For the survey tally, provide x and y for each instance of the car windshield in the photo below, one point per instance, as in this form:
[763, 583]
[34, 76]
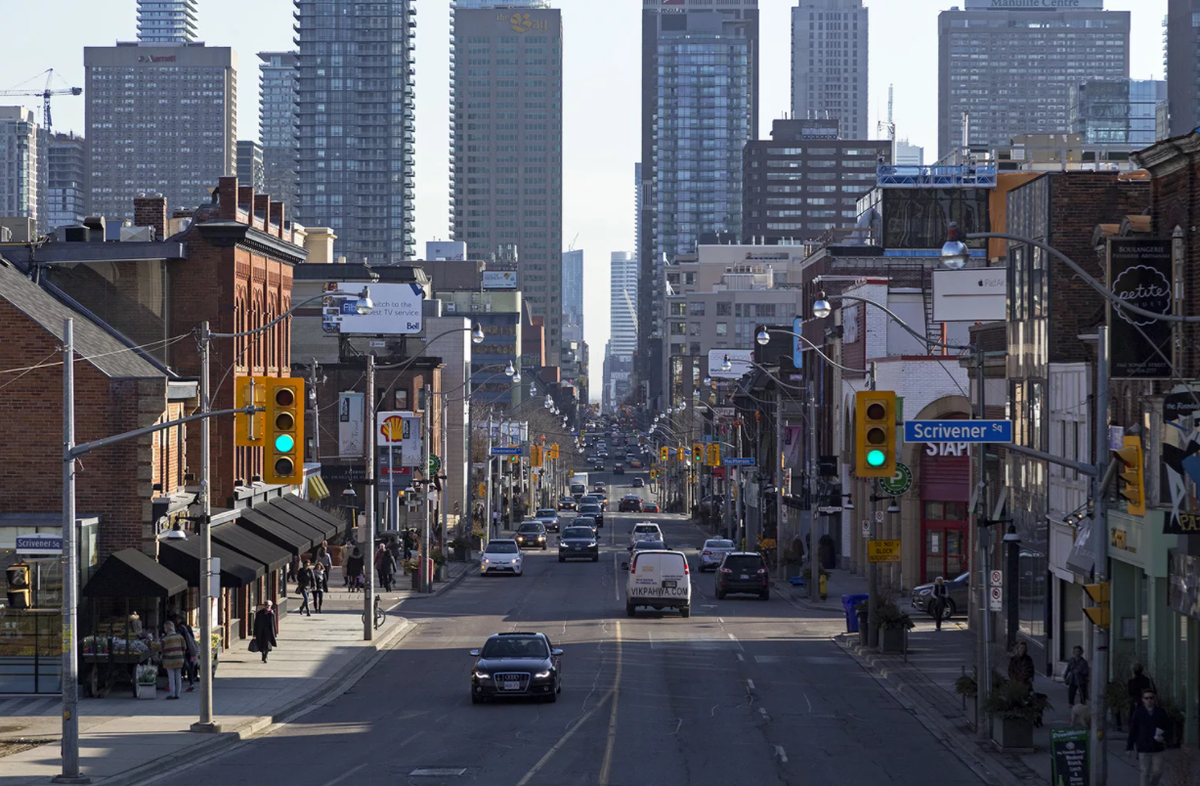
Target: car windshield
[501, 548]
[532, 526]
[583, 533]
[718, 544]
[743, 562]
[585, 521]
[650, 545]
[590, 508]
[646, 528]
[514, 647]
[546, 512]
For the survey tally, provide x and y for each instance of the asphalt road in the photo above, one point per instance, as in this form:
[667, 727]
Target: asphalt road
[744, 692]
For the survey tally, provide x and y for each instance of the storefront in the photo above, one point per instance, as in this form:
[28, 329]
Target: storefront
[945, 491]
[1183, 600]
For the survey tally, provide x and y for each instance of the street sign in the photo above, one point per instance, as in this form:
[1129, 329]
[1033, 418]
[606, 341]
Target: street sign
[827, 466]
[883, 551]
[500, 450]
[899, 483]
[733, 461]
[39, 546]
[344, 473]
[830, 509]
[723, 412]
[958, 431]
[996, 591]
[879, 517]
[1069, 757]
[866, 528]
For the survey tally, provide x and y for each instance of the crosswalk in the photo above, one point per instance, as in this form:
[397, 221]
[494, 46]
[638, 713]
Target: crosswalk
[30, 706]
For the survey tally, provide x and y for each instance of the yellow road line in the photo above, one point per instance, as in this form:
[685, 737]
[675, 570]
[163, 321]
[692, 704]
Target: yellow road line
[558, 745]
[606, 766]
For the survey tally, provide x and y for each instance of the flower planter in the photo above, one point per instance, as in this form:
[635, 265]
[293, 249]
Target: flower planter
[145, 691]
[1012, 733]
[891, 639]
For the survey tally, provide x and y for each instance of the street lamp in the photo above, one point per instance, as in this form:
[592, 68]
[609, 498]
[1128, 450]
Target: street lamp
[821, 307]
[954, 252]
[763, 336]
[509, 370]
[477, 334]
[726, 365]
[516, 377]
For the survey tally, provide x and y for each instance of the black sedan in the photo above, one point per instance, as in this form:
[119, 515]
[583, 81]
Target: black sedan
[516, 665]
[578, 542]
[630, 503]
[618, 469]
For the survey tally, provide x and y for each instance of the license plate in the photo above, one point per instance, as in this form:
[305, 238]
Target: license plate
[744, 576]
[668, 584]
[512, 685]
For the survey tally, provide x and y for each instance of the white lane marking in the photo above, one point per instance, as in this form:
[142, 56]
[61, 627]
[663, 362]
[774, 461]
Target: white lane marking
[410, 738]
[781, 754]
[345, 775]
[740, 658]
[763, 712]
[650, 636]
[750, 684]
[735, 641]
[616, 577]
[808, 702]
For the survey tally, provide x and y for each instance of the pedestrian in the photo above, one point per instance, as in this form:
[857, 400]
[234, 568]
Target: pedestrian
[319, 584]
[264, 630]
[937, 601]
[1021, 671]
[326, 562]
[387, 568]
[346, 566]
[305, 579]
[174, 653]
[380, 550]
[1138, 684]
[1148, 729]
[1076, 677]
[352, 568]
[192, 655]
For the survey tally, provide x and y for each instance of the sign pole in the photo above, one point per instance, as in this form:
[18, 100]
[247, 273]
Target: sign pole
[1098, 749]
[372, 491]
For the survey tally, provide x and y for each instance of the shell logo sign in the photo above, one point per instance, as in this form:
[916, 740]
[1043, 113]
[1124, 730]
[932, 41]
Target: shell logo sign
[392, 429]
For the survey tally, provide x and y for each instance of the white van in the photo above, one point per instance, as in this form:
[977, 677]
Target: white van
[660, 580]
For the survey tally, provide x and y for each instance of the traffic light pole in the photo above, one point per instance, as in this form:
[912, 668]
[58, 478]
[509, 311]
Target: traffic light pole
[872, 567]
[205, 723]
[426, 487]
[372, 496]
[1097, 750]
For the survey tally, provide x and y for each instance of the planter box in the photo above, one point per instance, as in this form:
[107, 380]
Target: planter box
[891, 639]
[146, 691]
[1010, 734]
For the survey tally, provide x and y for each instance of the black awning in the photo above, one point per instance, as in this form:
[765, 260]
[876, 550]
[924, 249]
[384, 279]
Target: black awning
[306, 511]
[284, 519]
[295, 542]
[183, 557]
[246, 542]
[131, 574]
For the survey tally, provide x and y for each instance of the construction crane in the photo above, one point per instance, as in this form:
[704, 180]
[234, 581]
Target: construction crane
[45, 93]
[888, 127]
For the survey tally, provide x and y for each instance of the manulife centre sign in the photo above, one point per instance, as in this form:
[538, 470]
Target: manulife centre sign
[1050, 5]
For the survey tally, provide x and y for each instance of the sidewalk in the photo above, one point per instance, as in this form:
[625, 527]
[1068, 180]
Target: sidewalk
[124, 740]
[839, 583]
[925, 683]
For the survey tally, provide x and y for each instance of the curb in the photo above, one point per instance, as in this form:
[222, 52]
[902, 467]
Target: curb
[990, 772]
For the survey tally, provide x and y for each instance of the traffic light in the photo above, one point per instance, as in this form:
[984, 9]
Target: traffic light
[249, 431]
[554, 452]
[680, 455]
[284, 455]
[535, 455]
[664, 453]
[697, 453]
[1131, 482]
[18, 585]
[1101, 613]
[875, 433]
[714, 455]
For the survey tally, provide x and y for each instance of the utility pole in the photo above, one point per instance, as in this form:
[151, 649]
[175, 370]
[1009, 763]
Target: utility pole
[206, 723]
[70, 569]
[445, 486]
[779, 476]
[814, 574]
[983, 654]
[426, 487]
[316, 412]
[872, 567]
[372, 491]
[1097, 749]
[487, 513]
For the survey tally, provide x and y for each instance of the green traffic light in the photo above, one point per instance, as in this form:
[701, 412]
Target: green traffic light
[875, 458]
[284, 443]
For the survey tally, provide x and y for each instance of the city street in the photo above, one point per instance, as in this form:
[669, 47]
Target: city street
[745, 691]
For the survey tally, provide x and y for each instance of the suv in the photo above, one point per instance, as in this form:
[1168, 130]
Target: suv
[514, 665]
[743, 571]
[592, 509]
[532, 535]
[630, 503]
[578, 542]
[644, 531]
[549, 517]
[639, 483]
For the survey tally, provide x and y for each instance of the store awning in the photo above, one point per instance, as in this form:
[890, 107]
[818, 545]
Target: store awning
[306, 511]
[246, 542]
[183, 557]
[131, 574]
[282, 518]
[295, 542]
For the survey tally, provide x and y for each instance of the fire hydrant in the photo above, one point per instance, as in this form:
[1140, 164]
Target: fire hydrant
[823, 584]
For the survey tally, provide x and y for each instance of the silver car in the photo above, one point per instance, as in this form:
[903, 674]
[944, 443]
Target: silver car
[713, 551]
[502, 555]
[549, 517]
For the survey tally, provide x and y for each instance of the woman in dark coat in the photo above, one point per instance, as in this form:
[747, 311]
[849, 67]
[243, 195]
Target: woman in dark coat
[264, 630]
[354, 568]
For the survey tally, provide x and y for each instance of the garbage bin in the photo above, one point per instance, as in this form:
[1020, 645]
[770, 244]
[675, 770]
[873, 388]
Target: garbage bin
[848, 603]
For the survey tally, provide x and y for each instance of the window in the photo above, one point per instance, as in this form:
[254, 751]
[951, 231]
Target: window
[696, 308]
[725, 309]
[722, 328]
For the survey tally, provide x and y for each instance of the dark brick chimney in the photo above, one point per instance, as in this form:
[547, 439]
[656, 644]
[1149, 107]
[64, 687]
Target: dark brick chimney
[150, 210]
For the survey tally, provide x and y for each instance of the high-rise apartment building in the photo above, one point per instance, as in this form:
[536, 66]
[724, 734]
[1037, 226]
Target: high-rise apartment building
[1182, 63]
[699, 108]
[279, 125]
[829, 63]
[66, 178]
[805, 181]
[20, 138]
[160, 118]
[1117, 111]
[506, 145]
[572, 295]
[1012, 69]
[166, 21]
[908, 154]
[357, 124]
[623, 299]
[250, 165]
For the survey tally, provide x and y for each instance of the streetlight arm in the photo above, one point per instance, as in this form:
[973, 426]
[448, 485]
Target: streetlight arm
[817, 349]
[1087, 277]
[284, 315]
[923, 339]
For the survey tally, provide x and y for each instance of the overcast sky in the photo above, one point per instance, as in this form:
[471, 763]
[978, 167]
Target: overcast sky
[601, 106]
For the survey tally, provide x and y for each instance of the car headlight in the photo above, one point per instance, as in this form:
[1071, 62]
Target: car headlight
[541, 675]
[541, 537]
[482, 675]
[486, 561]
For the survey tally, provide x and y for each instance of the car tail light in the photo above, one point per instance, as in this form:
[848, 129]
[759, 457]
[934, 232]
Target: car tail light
[726, 570]
[761, 570]
[707, 553]
[687, 571]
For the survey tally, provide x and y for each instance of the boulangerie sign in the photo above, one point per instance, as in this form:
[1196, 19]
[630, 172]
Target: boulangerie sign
[1140, 272]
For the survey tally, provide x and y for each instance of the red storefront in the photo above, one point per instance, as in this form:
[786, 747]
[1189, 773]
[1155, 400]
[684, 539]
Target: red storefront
[945, 492]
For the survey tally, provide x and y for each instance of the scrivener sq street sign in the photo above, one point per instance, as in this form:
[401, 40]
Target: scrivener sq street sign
[958, 431]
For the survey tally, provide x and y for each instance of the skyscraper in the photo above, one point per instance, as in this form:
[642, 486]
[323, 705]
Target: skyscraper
[1182, 64]
[19, 158]
[166, 21]
[278, 125]
[829, 64]
[623, 298]
[506, 145]
[572, 295]
[357, 124]
[160, 118]
[986, 67]
[66, 195]
[250, 165]
[1117, 111]
[699, 107]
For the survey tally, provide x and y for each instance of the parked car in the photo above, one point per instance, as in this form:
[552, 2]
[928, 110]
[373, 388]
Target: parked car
[502, 555]
[743, 571]
[549, 517]
[958, 591]
[514, 665]
[713, 552]
[630, 503]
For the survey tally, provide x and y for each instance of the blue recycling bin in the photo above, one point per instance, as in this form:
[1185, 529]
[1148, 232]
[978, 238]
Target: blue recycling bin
[848, 603]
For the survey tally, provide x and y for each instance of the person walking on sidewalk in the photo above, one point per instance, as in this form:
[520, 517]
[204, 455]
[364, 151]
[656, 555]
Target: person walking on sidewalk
[1076, 677]
[1137, 685]
[174, 652]
[264, 630]
[352, 569]
[192, 652]
[304, 582]
[346, 556]
[937, 602]
[386, 567]
[1021, 671]
[326, 562]
[1148, 728]
[320, 582]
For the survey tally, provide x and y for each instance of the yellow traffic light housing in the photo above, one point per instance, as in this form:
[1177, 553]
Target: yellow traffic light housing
[284, 450]
[875, 433]
[19, 585]
[1100, 594]
[535, 455]
[249, 431]
[1131, 481]
[680, 455]
[697, 453]
[714, 455]
[664, 453]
